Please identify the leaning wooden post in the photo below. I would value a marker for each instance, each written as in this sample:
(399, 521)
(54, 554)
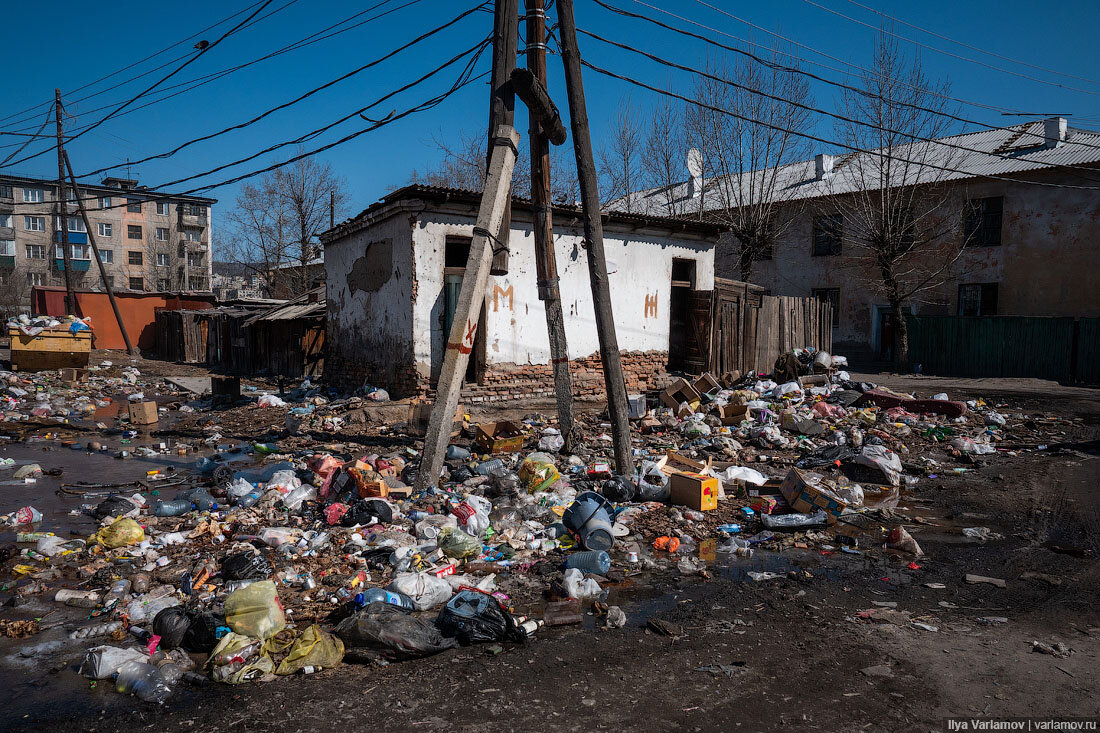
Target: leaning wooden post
(593, 234)
(460, 341)
(95, 253)
(502, 106)
(544, 116)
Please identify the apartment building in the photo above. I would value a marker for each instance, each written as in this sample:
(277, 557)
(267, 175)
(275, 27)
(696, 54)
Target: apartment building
(147, 242)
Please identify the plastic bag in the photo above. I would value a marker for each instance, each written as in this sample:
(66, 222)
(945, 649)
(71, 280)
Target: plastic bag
(882, 458)
(393, 633)
(103, 662)
(742, 473)
(553, 442)
(795, 423)
(618, 489)
(113, 506)
(366, 510)
(314, 648)
(171, 625)
(652, 484)
(472, 617)
(425, 590)
(143, 679)
(968, 445)
(246, 667)
(120, 533)
(284, 481)
(538, 472)
(270, 400)
(255, 610)
(245, 566)
(457, 544)
(577, 587)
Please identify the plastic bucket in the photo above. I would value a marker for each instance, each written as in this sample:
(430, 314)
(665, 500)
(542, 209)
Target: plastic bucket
(589, 519)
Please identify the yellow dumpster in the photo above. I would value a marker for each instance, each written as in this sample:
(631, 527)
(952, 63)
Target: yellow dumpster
(53, 348)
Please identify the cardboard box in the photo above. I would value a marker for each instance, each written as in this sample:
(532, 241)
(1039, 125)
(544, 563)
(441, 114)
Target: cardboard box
(706, 383)
(804, 496)
(680, 391)
(731, 414)
(728, 379)
(694, 491)
(420, 413)
(672, 462)
(764, 504)
(143, 413)
(73, 376)
(499, 437)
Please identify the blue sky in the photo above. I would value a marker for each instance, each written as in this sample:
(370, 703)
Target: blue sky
(96, 42)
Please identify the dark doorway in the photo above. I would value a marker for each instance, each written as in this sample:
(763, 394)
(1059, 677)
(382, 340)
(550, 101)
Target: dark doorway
(681, 341)
(455, 256)
(886, 342)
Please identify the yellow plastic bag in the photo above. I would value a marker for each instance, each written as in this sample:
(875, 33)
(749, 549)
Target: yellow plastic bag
(314, 648)
(538, 472)
(121, 533)
(255, 610)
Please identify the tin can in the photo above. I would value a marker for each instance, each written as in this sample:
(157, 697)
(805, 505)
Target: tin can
(632, 557)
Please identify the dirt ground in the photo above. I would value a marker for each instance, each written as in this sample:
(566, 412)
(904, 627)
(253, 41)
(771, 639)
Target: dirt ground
(788, 653)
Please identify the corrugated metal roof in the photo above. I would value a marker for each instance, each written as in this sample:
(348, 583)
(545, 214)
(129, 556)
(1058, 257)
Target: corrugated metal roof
(310, 304)
(1004, 151)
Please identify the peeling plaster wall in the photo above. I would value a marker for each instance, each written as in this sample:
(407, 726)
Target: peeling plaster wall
(370, 284)
(639, 273)
(1046, 264)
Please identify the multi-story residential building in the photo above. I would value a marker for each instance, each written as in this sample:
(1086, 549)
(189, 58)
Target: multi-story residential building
(147, 241)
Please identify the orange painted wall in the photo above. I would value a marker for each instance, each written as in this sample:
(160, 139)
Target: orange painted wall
(138, 312)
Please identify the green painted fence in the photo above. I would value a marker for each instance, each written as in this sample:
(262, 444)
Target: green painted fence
(1065, 349)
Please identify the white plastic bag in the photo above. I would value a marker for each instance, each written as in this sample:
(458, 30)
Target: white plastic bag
(270, 400)
(884, 459)
(103, 662)
(425, 590)
(577, 587)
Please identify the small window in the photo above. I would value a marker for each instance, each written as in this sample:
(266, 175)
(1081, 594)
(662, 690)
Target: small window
(133, 231)
(7, 248)
(194, 210)
(978, 299)
(162, 260)
(137, 283)
(683, 273)
(832, 297)
(162, 208)
(76, 224)
(133, 206)
(36, 278)
(5, 191)
(36, 251)
(5, 220)
(164, 284)
(983, 221)
(34, 223)
(135, 258)
(107, 256)
(456, 252)
(105, 230)
(197, 283)
(828, 234)
(80, 251)
(104, 202)
(162, 234)
(191, 234)
(33, 195)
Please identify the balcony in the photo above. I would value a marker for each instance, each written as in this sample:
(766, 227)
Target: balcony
(7, 262)
(190, 245)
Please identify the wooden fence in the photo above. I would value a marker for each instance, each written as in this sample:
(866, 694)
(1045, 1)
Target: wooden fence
(1064, 349)
(744, 330)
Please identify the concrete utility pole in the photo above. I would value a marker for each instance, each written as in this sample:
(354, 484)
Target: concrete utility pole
(95, 253)
(593, 234)
(545, 262)
(331, 209)
(460, 341)
(502, 107)
(62, 208)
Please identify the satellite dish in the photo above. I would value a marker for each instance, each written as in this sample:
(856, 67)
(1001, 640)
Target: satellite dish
(695, 164)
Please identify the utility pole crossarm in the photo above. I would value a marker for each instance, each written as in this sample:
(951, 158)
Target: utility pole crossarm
(532, 91)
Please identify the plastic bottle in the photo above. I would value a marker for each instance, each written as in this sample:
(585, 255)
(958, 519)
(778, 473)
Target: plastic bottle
(78, 598)
(96, 630)
(487, 467)
(381, 595)
(250, 499)
(143, 680)
(596, 561)
(140, 583)
(456, 453)
(172, 508)
(119, 590)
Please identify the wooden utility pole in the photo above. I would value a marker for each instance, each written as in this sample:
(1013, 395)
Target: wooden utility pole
(331, 209)
(62, 208)
(546, 264)
(95, 253)
(593, 234)
(502, 107)
(460, 341)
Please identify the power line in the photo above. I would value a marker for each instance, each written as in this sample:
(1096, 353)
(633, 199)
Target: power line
(298, 99)
(972, 48)
(826, 141)
(141, 61)
(949, 53)
(29, 140)
(803, 72)
(918, 138)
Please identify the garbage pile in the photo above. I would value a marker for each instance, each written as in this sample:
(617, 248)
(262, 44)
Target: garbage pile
(266, 561)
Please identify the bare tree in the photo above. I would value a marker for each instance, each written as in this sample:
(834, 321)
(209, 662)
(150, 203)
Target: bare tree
(664, 156)
(621, 169)
(15, 292)
(742, 159)
(276, 220)
(899, 219)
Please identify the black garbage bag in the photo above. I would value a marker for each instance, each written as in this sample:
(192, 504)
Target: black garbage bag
(460, 474)
(362, 511)
(826, 456)
(472, 617)
(201, 636)
(393, 633)
(246, 565)
(171, 625)
(409, 474)
(618, 488)
(112, 506)
(378, 558)
(343, 487)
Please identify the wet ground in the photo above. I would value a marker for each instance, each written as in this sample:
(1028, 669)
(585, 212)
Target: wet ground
(789, 653)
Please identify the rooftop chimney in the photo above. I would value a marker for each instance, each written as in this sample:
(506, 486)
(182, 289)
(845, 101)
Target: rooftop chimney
(695, 170)
(1054, 132)
(823, 166)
